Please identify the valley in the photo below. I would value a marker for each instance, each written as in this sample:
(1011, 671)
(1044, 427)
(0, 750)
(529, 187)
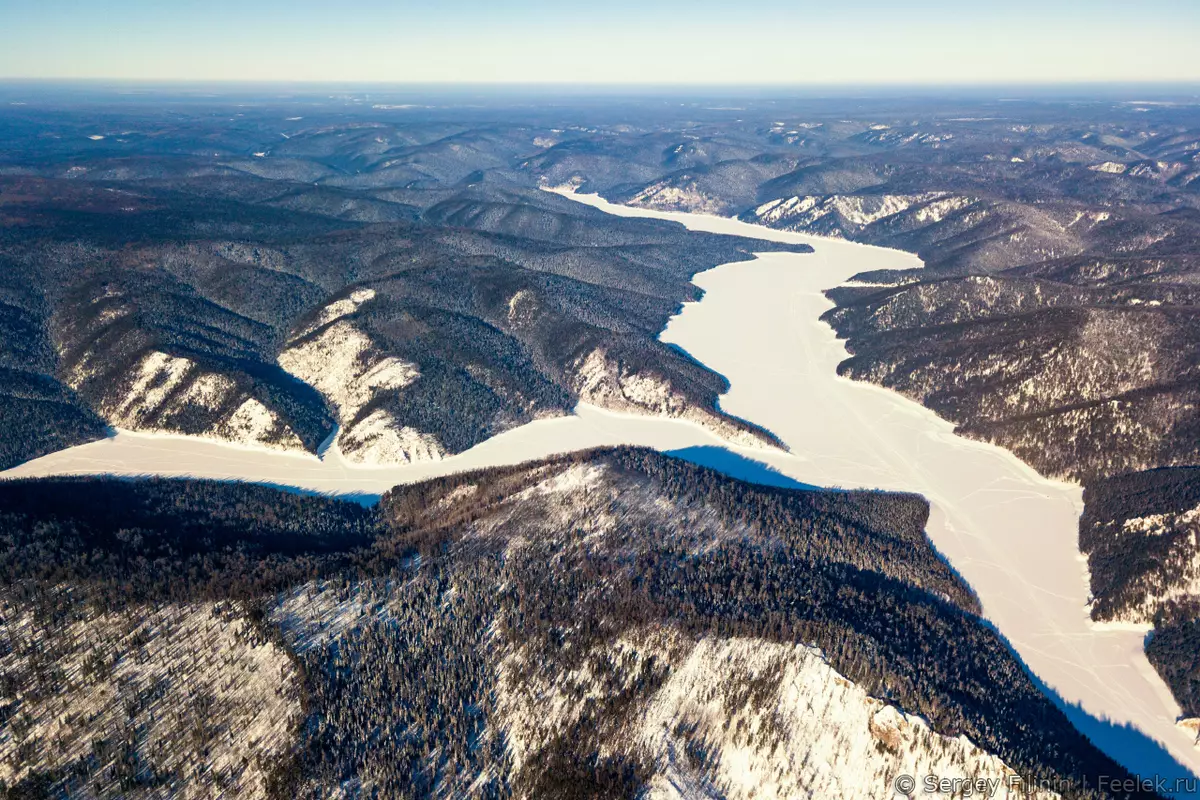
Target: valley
(1010, 534)
(399, 444)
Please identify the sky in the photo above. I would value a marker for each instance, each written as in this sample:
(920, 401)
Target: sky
(654, 42)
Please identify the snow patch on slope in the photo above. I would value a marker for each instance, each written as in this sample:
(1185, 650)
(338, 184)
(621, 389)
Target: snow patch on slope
(846, 215)
(1159, 524)
(165, 387)
(603, 381)
(341, 362)
(1175, 578)
(191, 688)
(684, 197)
(340, 308)
(777, 721)
(379, 438)
(736, 718)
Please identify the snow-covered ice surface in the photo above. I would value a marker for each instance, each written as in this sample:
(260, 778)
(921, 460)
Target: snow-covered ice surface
(1009, 532)
(132, 453)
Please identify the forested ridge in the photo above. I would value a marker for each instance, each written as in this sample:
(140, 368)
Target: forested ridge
(405, 640)
(199, 306)
(1141, 534)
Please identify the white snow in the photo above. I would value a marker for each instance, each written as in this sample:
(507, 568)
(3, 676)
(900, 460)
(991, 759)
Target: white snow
(381, 439)
(337, 363)
(853, 745)
(940, 209)
(599, 380)
(159, 375)
(688, 197)
(338, 309)
(251, 424)
(856, 210)
(1009, 532)
(1159, 524)
(1176, 578)
(340, 363)
(250, 713)
(167, 384)
(772, 721)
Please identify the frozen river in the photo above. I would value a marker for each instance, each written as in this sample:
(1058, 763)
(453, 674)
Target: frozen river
(1009, 532)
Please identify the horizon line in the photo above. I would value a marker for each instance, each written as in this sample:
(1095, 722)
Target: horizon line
(1195, 81)
(1086, 88)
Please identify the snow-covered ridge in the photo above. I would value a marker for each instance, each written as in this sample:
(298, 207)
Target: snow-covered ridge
(846, 215)
(855, 746)
(164, 389)
(687, 197)
(600, 380)
(340, 361)
(338, 309)
(770, 720)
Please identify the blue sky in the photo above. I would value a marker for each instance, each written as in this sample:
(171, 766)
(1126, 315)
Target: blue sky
(604, 41)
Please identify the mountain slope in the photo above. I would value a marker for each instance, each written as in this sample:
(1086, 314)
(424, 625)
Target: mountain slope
(603, 624)
(202, 307)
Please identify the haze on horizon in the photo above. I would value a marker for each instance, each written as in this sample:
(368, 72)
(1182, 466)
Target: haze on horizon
(613, 42)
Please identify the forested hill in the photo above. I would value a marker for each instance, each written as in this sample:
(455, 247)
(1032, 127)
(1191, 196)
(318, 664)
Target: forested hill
(234, 299)
(1141, 534)
(595, 625)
